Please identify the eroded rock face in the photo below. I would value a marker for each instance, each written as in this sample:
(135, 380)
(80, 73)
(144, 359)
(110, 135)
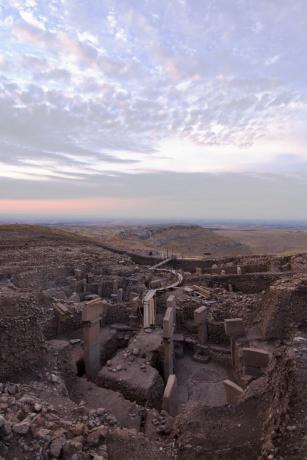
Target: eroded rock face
(284, 307)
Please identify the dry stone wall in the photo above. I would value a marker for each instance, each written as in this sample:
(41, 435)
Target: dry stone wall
(21, 346)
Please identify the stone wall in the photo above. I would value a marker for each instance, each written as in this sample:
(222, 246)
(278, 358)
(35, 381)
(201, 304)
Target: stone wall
(283, 307)
(281, 390)
(248, 264)
(226, 432)
(250, 283)
(116, 313)
(216, 333)
(21, 347)
(42, 278)
(60, 361)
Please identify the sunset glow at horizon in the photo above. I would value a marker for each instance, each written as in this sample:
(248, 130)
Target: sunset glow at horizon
(63, 206)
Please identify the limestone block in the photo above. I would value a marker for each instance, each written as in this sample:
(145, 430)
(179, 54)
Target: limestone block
(200, 315)
(168, 323)
(169, 403)
(233, 391)
(92, 310)
(255, 357)
(171, 301)
(91, 337)
(168, 358)
(91, 333)
(149, 310)
(61, 309)
(149, 295)
(234, 327)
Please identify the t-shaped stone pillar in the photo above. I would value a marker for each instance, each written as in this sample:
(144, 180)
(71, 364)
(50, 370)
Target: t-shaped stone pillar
(169, 403)
(169, 322)
(171, 302)
(149, 309)
(232, 391)
(234, 328)
(200, 318)
(91, 316)
(255, 360)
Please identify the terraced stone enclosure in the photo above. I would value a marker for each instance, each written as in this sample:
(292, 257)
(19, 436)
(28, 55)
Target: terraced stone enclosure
(107, 356)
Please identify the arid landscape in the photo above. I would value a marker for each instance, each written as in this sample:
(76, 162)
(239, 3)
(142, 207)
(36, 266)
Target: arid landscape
(198, 241)
(111, 354)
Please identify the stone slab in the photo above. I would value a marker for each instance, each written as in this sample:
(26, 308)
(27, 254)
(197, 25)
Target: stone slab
(168, 323)
(233, 391)
(168, 363)
(92, 310)
(255, 357)
(149, 311)
(169, 403)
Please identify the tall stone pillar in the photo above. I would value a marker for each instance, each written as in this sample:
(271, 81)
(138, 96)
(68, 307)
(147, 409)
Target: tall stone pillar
(200, 318)
(91, 316)
(149, 308)
(234, 328)
(169, 402)
(171, 302)
(168, 341)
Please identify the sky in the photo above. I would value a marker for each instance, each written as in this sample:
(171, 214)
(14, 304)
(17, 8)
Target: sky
(171, 109)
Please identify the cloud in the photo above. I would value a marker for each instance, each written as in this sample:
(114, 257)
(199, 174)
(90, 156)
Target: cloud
(96, 88)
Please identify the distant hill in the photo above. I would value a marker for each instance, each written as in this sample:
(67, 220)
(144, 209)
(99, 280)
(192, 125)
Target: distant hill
(181, 240)
(185, 240)
(23, 233)
(270, 241)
